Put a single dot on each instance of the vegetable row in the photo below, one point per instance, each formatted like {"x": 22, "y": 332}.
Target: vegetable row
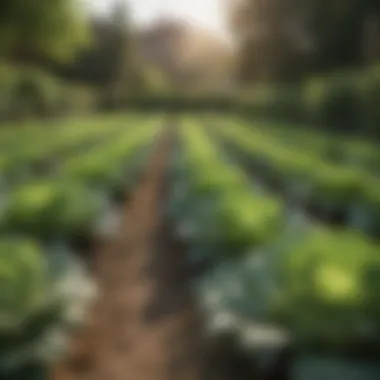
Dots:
{"x": 314, "y": 182}
{"x": 321, "y": 281}
{"x": 39, "y": 154}
{"x": 217, "y": 199}
{"x": 68, "y": 203}
{"x": 39, "y": 219}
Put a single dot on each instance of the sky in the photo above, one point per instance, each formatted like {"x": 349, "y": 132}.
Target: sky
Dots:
{"x": 205, "y": 13}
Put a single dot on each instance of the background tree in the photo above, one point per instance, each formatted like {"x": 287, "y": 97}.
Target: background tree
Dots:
{"x": 52, "y": 28}
{"x": 282, "y": 40}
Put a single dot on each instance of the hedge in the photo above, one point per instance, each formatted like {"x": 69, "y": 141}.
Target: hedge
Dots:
{"x": 343, "y": 101}
{"x": 31, "y": 92}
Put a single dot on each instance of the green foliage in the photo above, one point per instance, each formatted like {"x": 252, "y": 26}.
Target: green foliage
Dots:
{"x": 339, "y": 101}
{"x": 334, "y": 101}
{"x": 369, "y": 90}
{"x": 325, "y": 297}
{"x": 239, "y": 219}
{"x": 327, "y": 36}
{"x": 77, "y": 99}
{"x": 54, "y": 28}
{"x": 36, "y": 92}
{"x": 69, "y": 204}
{"x": 8, "y": 81}
{"x": 24, "y": 282}
{"x": 306, "y": 169}
{"x": 247, "y": 221}
{"x": 154, "y": 80}
{"x": 338, "y": 184}
{"x": 106, "y": 169}
{"x": 283, "y": 102}
{"x": 288, "y": 103}
{"x": 31, "y": 92}
{"x": 50, "y": 209}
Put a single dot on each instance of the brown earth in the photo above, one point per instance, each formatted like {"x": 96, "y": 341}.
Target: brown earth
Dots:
{"x": 144, "y": 324}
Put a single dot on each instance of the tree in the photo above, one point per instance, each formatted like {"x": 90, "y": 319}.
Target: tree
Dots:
{"x": 126, "y": 75}
{"x": 53, "y": 28}
{"x": 340, "y": 32}
{"x": 282, "y": 40}
{"x": 272, "y": 40}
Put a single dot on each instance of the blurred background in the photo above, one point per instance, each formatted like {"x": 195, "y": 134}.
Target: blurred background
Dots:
{"x": 304, "y": 61}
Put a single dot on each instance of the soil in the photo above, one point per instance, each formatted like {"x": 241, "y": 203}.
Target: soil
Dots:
{"x": 145, "y": 322}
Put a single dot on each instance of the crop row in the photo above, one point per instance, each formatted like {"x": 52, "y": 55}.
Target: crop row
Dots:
{"x": 14, "y": 135}
{"x": 39, "y": 153}
{"x": 320, "y": 281}
{"x": 69, "y": 201}
{"x": 218, "y": 199}
{"x": 41, "y": 218}
{"x": 339, "y": 192}
{"x": 336, "y": 148}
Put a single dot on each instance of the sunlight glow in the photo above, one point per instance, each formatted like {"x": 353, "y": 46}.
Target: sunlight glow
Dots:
{"x": 207, "y": 14}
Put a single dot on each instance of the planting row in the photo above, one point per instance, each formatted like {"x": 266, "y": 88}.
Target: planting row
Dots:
{"x": 38, "y": 152}
{"x": 45, "y": 288}
{"x": 331, "y": 147}
{"x": 217, "y": 200}
{"x": 327, "y": 146}
{"x": 318, "y": 282}
{"x": 68, "y": 202}
{"x": 342, "y": 193}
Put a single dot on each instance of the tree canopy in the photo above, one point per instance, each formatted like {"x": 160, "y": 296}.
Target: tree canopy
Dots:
{"x": 53, "y": 28}
{"x": 286, "y": 39}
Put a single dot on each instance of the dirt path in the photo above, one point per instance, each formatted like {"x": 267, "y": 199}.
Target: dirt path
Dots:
{"x": 144, "y": 325}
